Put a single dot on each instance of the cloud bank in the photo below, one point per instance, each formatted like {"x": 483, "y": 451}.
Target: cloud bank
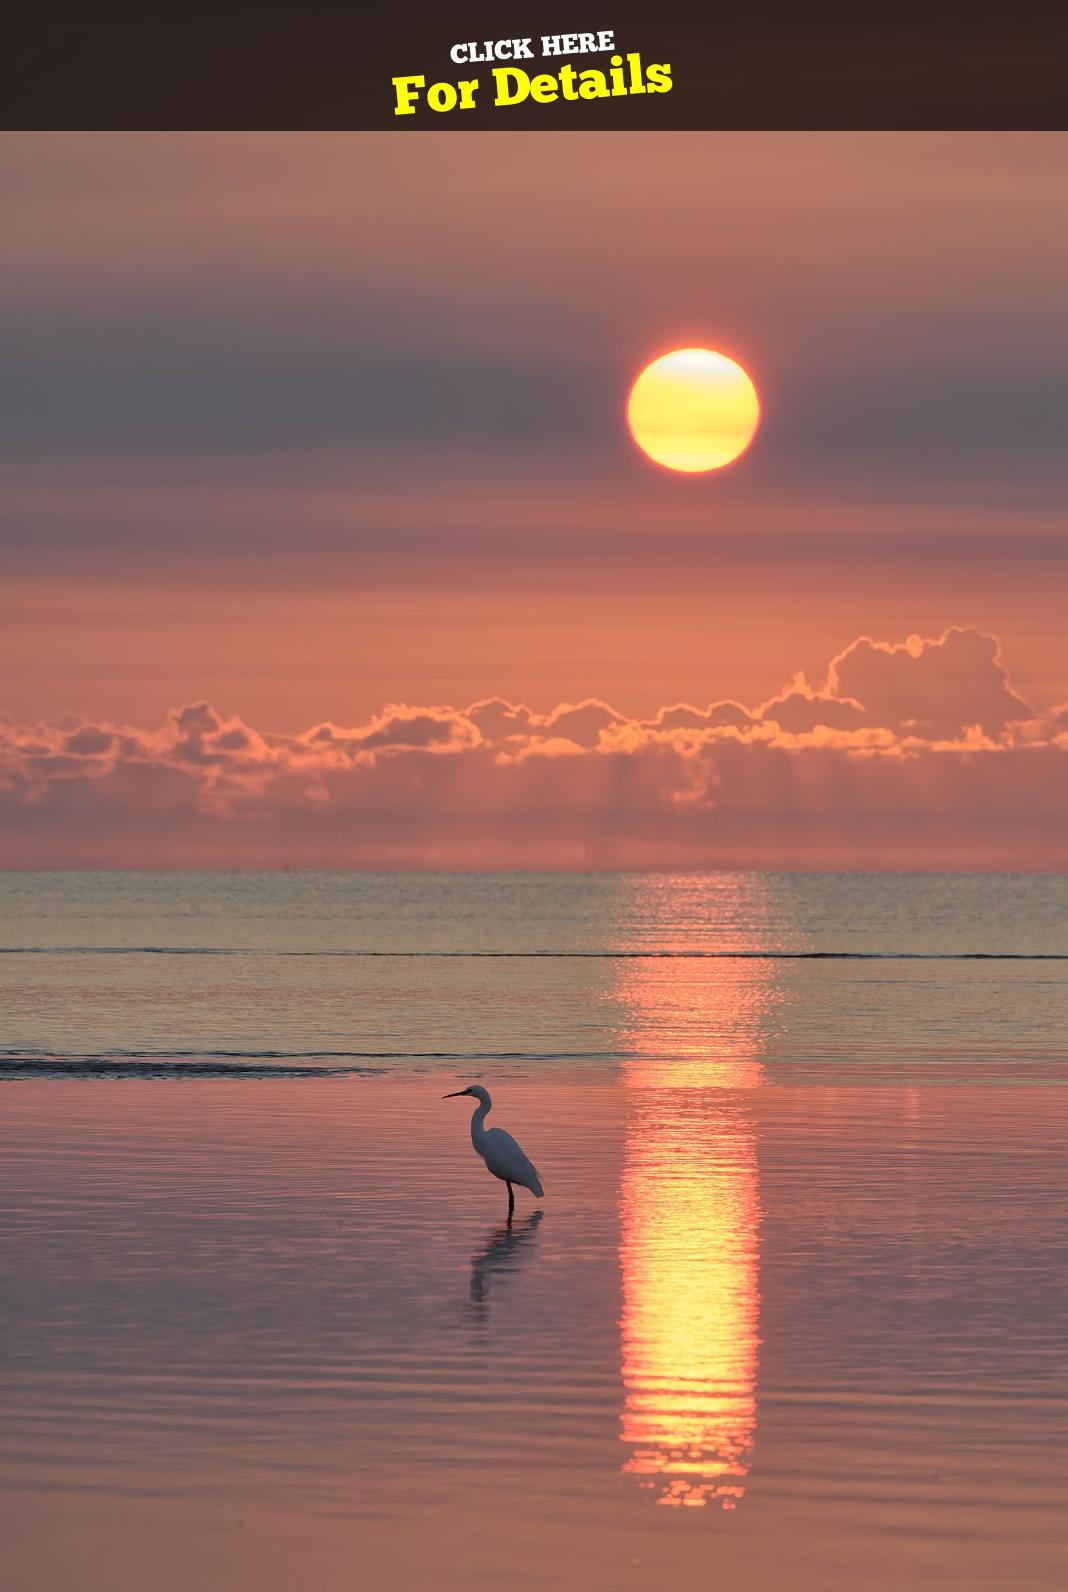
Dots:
{"x": 913, "y": 754}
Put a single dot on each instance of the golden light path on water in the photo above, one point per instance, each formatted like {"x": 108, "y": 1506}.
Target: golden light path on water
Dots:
{"x": 690, "y": 1215}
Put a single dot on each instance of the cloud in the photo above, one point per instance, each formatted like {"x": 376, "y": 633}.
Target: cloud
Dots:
{"x": 718, "y": 715}
{"x": 438, "y": 729}
{"x": 497, "y": 719}
{"x": 89, "y": 741}
{"x": 800, "y": 708}
{"x": 936, "y": 688}
{"x": 909, "y": 754}
{"x": 580, "y": 723}
{"x": 933, "y": 688}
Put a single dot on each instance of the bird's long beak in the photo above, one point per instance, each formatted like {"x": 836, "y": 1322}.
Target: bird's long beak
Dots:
{"x": 455, "y": 1092}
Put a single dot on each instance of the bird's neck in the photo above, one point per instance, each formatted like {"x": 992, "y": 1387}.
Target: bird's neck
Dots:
{"x": 478, "y": 1121}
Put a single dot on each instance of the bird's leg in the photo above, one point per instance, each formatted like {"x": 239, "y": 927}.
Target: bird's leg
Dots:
{"x": 511, "y": 1199}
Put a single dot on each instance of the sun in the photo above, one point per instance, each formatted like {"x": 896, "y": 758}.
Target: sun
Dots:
{"x": 693, "y": 410}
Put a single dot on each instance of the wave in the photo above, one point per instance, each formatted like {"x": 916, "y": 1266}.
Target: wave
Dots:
{"x": 98, "y": 1067}
{"x": 751, "y": 954}
{"x": 256, "y": 1063}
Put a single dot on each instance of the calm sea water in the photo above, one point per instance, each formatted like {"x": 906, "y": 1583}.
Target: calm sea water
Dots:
{"x": 791, "y": 1314}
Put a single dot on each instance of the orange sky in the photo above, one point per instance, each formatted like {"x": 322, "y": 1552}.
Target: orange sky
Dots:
{"x": 302, "y": 424}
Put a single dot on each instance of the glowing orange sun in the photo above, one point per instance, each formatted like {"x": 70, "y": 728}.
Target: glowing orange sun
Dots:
{"x": 693, "y": 410}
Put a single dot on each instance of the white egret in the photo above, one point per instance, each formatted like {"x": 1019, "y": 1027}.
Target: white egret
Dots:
{"x": 502, "y": 1155}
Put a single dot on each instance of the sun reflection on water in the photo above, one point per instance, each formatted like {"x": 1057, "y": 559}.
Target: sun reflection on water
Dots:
{"x": 689, "y": 1219}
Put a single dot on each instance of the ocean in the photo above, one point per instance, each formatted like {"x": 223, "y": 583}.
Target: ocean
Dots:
{"x": 791, "y": 1312}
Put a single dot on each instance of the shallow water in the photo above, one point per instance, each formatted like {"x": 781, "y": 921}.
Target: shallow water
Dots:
{"x": 792, "y": 1311}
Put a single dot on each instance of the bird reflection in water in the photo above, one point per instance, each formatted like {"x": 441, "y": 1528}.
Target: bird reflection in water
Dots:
{"x": 501, "y": 1254}
{"x": 689, "y": 1227}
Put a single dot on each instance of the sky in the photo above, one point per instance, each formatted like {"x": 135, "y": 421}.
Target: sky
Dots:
{"x": 319, "y": 514}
